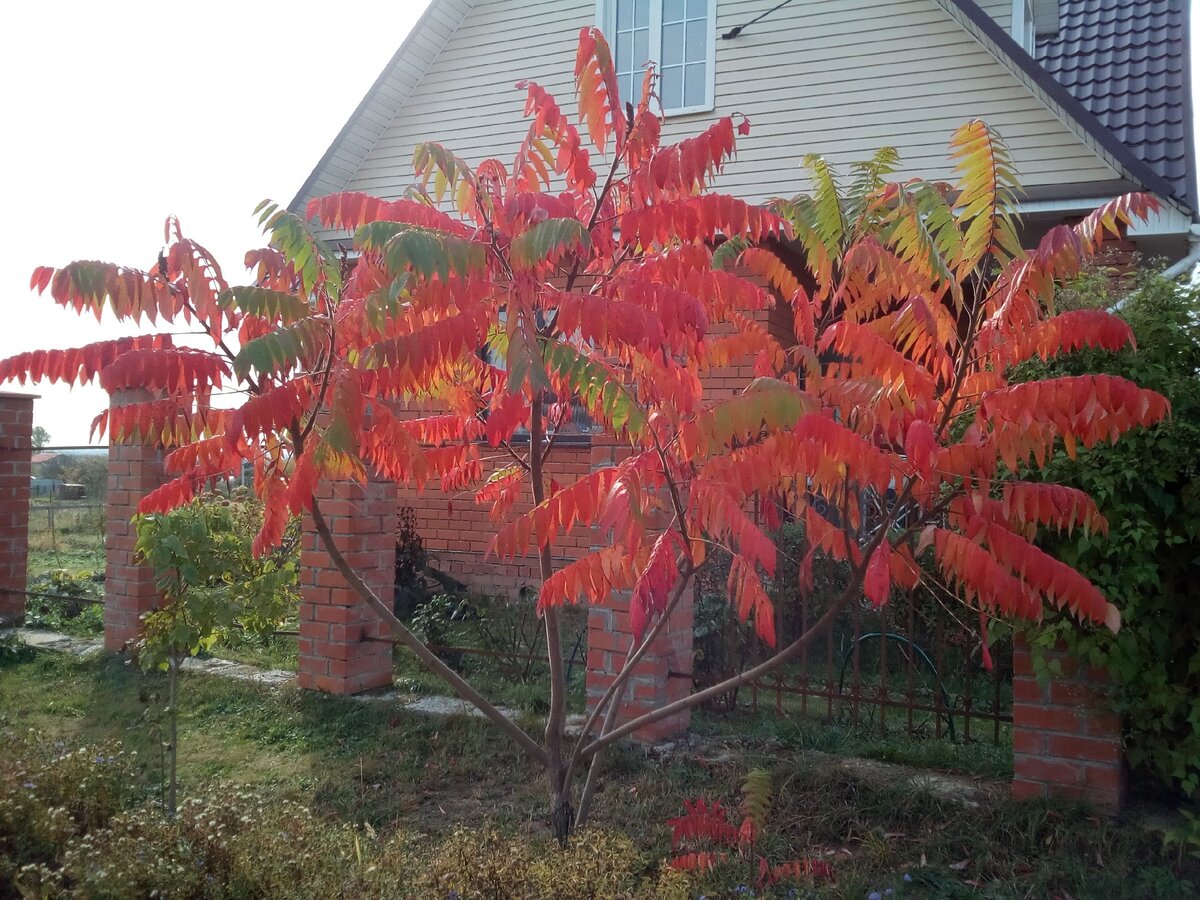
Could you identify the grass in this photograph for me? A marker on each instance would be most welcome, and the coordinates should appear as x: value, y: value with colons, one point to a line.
x: 368, y: 762
x: 77, y: 534
x: 813, y: 732
x: 84, y: 557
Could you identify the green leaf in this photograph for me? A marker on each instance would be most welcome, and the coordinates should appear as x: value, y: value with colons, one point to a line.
x: 727, y: 255
x: 767, y: 402
x: 294, y: 238
x: 423, y: 251
x: 266, y: 304
x: 547, y: 242
x: 283, y: 349
x: 598, y: 387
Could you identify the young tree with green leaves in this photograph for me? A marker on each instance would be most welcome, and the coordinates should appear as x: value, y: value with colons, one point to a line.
x: 211, y: 584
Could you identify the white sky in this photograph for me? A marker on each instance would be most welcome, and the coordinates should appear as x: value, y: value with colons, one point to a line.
x: 118, y: 114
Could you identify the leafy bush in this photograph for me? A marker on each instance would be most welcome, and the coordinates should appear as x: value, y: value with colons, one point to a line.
x: 212, y: 583
x: 487, y: 864
x: 13, y: 648
x: 508, y: 629
x: 1148, y: 487
x: 411, y: 560
x: 71, y: 602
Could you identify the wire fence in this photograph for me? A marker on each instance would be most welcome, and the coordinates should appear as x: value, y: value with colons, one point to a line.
x: 67, y: 495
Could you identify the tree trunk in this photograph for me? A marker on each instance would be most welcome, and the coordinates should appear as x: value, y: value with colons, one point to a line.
x: 173, y: 734
x: 562, y: 813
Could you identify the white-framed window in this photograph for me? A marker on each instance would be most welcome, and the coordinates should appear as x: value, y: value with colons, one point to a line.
x: 1024, y: 25
x: 679, y: 36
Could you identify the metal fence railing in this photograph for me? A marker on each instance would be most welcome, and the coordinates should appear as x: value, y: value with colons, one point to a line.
x: 912, y: 667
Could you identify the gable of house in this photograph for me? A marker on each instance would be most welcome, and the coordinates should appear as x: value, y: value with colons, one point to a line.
x: 836, y: 77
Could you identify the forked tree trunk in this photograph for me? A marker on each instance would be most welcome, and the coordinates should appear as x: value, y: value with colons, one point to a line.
x: 558, y: 767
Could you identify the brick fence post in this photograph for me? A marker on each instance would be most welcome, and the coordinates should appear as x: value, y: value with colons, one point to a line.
x: 134, y: 470
x: 16, y: 448
x: 334, y: 624
x: 663, y: 675
x: 1066, y: 737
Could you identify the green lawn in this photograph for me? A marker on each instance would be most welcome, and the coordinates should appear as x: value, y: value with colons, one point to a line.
x: 368, y: 763
x: 74, y: 557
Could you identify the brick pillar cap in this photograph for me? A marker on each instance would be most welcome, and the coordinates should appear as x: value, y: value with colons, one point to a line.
x: 12, y: 395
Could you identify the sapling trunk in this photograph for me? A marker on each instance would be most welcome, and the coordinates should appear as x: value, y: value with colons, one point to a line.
x: 173, y: 665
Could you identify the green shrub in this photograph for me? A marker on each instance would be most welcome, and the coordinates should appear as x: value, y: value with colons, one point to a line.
x: 13, y: 648
x: 1148, y: 486
x: 70, y: 604
x: 227, y: 842
x: 475, y: 864
x: 508, y: 629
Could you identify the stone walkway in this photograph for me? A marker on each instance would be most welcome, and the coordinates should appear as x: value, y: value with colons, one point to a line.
x: 274, y: 678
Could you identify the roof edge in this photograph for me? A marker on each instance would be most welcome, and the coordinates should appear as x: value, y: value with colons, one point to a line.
x: 1014, y: 57
x: 1189, y: 139
x: 363, y: 104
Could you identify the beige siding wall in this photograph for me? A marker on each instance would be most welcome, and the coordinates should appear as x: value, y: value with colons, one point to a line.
x: 836, y: 77
x: 1000, y: 10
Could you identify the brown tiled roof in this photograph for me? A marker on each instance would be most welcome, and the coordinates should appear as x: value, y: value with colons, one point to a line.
x: 1126, y: 62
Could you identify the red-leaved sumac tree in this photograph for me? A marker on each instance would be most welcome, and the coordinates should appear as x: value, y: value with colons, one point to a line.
x: 597, y: 269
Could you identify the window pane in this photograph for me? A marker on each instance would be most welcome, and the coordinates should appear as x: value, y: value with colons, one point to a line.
x: 625, y: 87
x: 672, y: 45
x: 641, y: 48
x: 624, y: 51
x: 693, y: 85
x: 624, y: 14
x: 672, y: 10
x: 672, y: 87
x: 642, y: 16
x: 697, y: 9
x: 697, y: 45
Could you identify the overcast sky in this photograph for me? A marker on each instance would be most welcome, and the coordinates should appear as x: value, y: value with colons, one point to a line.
x: 118, y: 114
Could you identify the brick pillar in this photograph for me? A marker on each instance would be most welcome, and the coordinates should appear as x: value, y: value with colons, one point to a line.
x: 16, y: 447
x: 663, y: 675
x: 334, y: 656
x: 134, y: 470
x: 1066, y: 737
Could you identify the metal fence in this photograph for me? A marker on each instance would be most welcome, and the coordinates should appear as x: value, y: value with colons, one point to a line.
x: 67, y: 498
x: 914, y: 666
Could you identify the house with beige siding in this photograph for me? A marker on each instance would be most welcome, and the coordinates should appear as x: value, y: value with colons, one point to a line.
x: 1091, y: 96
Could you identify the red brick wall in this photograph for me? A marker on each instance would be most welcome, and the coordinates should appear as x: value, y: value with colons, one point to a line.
x: 129, y: 592
x: 16, y: 448
x: 1066, y: 738
x: 662, y: 676
x: 335, y: 655
x: 457, y: 531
